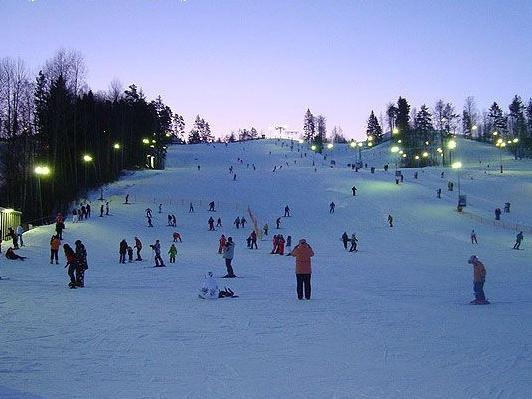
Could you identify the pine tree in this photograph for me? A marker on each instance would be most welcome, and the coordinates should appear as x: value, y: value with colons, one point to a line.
x: 321, y: 132
x: 529, y: 118
x: 405, y: 134
x: 374, y: 129
x: 517, y: 122
x: 309, y: 127
x: 469, y: 117
x: 498, y: 121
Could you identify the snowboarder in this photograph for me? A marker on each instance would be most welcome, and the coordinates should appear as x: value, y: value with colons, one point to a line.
x: 332, y: 205
x: 176, y: 236
x: 518, y: 239
x: 122, y: 250
x: 229, y: 253
x: 390, y: 220
x: 55, y: 243
x: 438, y: 193
x: 221, y: 245
x: 265, y: 229
x: 211, y: 224
x: 127, y: 199
x: 191, y: 208
x: 172, y: 252
x: 354, y: 241
x: 211, y: 207
x: 138, y: 246
x: 473, y: 237
x: 303, y: 252
x: 219, y: 222
x: 237, y: 222
x: 345, y: 239
x: 354, y: 190
x: 157, y: 248
x: 278, y: 223
x: 82, y: 266
x: 479, y: 278
x: 11, y: 255
x: 72, y: 264
x: 286, y: 211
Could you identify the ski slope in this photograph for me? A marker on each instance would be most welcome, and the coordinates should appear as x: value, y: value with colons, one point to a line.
x: 391, y: 321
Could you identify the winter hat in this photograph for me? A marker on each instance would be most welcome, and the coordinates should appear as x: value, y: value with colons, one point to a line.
x: 302, y: 241
x: 472, y: 259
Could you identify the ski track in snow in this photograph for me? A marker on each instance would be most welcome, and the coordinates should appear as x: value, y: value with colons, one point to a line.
x: 391, y: 321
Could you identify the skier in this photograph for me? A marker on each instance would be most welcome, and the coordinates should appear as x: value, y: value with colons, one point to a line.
x: 107, y: 208
x: 237, y: 222
x: 289, y: 245
x: 438, y: 193
x: 211, y: 224
x: 234, y: 177
x: 254, y: 239
x: 221, y: 245
x: 148, y: 213
x: 243, y: 221
x: 390, y: 220
x: 169, y: 220
x: 101, y: 211
x: 219, y: 222
x: 176, y: 236
x: 130, y: 254
x: 174, y: 221
x: 150, y: 224
x: 172, y: 252
x: 286, y: 211
x: 265, y: 229
x: 473, y: 237
x: 303, y: 252
x: 498, y: 214
x: 248, y: 241
x: 55, y: 243
x: 354, y: 190
x: 160, y: 208
x: 345, y: 239
x: 11, y: 255
x: 157, y: 248
x: 211, y: 207
x: 191, y: 208
x: 278, y: 223
x: 332, y: 205
x: 127, y: 199
x: 81, y: 256
x: 280, y: 245
x: 11, y: 233
x: 72, y: 264
x: 138, y: 246
x: 479, y: 278
x: 506, y: 207
x: 59, y: 226
x: 518, y: 239
x: 228, y: 255
x: 122, y: 251
x: 353, y: 243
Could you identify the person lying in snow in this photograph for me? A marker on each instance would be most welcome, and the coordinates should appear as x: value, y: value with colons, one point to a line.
x: 210, y: 290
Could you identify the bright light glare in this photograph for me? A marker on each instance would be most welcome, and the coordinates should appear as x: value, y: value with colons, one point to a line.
x: 456, y: 165
x: 313, y: 147
x: 87, y: 158
x: 425, y: 154
x: 451, y: 145
x: 394, y: 149
x: 42, y: 170
x: 116, y: 146
x: 353, y: 144
x: 330, y: 145
x: 146, y: 141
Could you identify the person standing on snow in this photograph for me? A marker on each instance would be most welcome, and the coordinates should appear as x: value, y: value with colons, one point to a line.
x: 286, y: 211
x: 332, y: 205
x: 150, y: 224
x: 172, y: 252
x: 354, y: 190
x: 219, y: 222
x: 354, y: 241
x: 138, y: 246
x: 55, y: 243
x: 265, y: 229
x: 101, y: 211
x: 473, y: 237
x: 72, y: 264
x: 479, y: 278
x: 289, y: 245
x: 438, y: 193
x: 211, y: 207
x: 157, y: 248
x: 191, y: 208
x: 176, y: 236
x: 211, y: 224
x: 88, y: 209
x: 254, y: 239
x: 174, y: 221
x: 81, y: 256
x: 75, y: 216
x: 59, y: 227
x: 237, y: 222
x: 20, y: 231
x: 303, y: 252
x: 243, y: 221
x: 107, y: 208
x: 518, y: 239
x: 280, y: 245
x: 169, y: 220
x: 390, y: 220
x: 278, y: 223
x: 345, y: 239
x: 160, y: 208
x: 130, y: 254
x: 148, y: 213
x: 122, y: 251
x: 228, y: 255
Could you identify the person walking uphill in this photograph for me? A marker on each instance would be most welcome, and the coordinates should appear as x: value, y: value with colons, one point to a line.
x: 479, y: 278
x: 303, y: 252
x: 229, y: 253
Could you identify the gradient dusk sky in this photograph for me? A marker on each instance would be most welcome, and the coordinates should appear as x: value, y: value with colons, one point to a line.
x: 263, y: 63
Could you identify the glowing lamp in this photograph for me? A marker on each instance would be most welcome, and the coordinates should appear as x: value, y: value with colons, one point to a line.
x: 313, y: 147
x: 394, y: 149
x: 515, y: 140
x: 116, y: 146
x: 146, y: 141
x: 425, y: 154
x: 330, y: 145
x: 451, y: 145
x: 353, y: 144
x: 395, y: 130
x: 360, y: 144
x: 370, y: 144
x: 404, y: 155
x: 456, y: 165
x: 87, y: 158
x: 495, y: 133
x: 42, y: 170
x: 399, y: 141
x: 416, y: 157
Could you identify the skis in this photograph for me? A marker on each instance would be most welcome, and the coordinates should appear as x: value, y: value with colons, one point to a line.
x: 476, y: 302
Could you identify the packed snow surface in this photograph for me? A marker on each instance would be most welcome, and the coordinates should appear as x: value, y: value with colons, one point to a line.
x: 391, y: 321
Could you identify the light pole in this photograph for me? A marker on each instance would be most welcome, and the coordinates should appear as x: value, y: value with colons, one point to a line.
x: 395, y: 150
x: 457, y: 165
x: 451, y: 145
x: 501, y: 144
x: 41, y: 171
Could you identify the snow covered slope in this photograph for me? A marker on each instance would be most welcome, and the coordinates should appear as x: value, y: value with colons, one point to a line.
x: 391, y: 321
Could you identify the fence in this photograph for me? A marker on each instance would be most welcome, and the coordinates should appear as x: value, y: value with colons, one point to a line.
x: 497, y: 223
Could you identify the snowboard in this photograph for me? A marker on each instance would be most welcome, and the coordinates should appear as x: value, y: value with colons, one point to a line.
x: 474, y: 302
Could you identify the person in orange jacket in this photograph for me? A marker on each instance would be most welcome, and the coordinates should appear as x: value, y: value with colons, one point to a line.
x: 303, y: 252
x: 479, y: 278
x: 222, y: 244
x: 55, y: 243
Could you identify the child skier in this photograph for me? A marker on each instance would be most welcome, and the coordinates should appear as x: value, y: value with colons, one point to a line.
x: 130, y: 254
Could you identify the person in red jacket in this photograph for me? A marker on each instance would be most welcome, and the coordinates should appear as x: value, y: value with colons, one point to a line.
x: 177, y: 237
x: 222, y: 244
x: 280, y: 245
x: 303, y: 252
x: 72, y: 264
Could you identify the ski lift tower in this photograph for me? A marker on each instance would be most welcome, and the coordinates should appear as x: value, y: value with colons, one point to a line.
x: 280, y: 128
